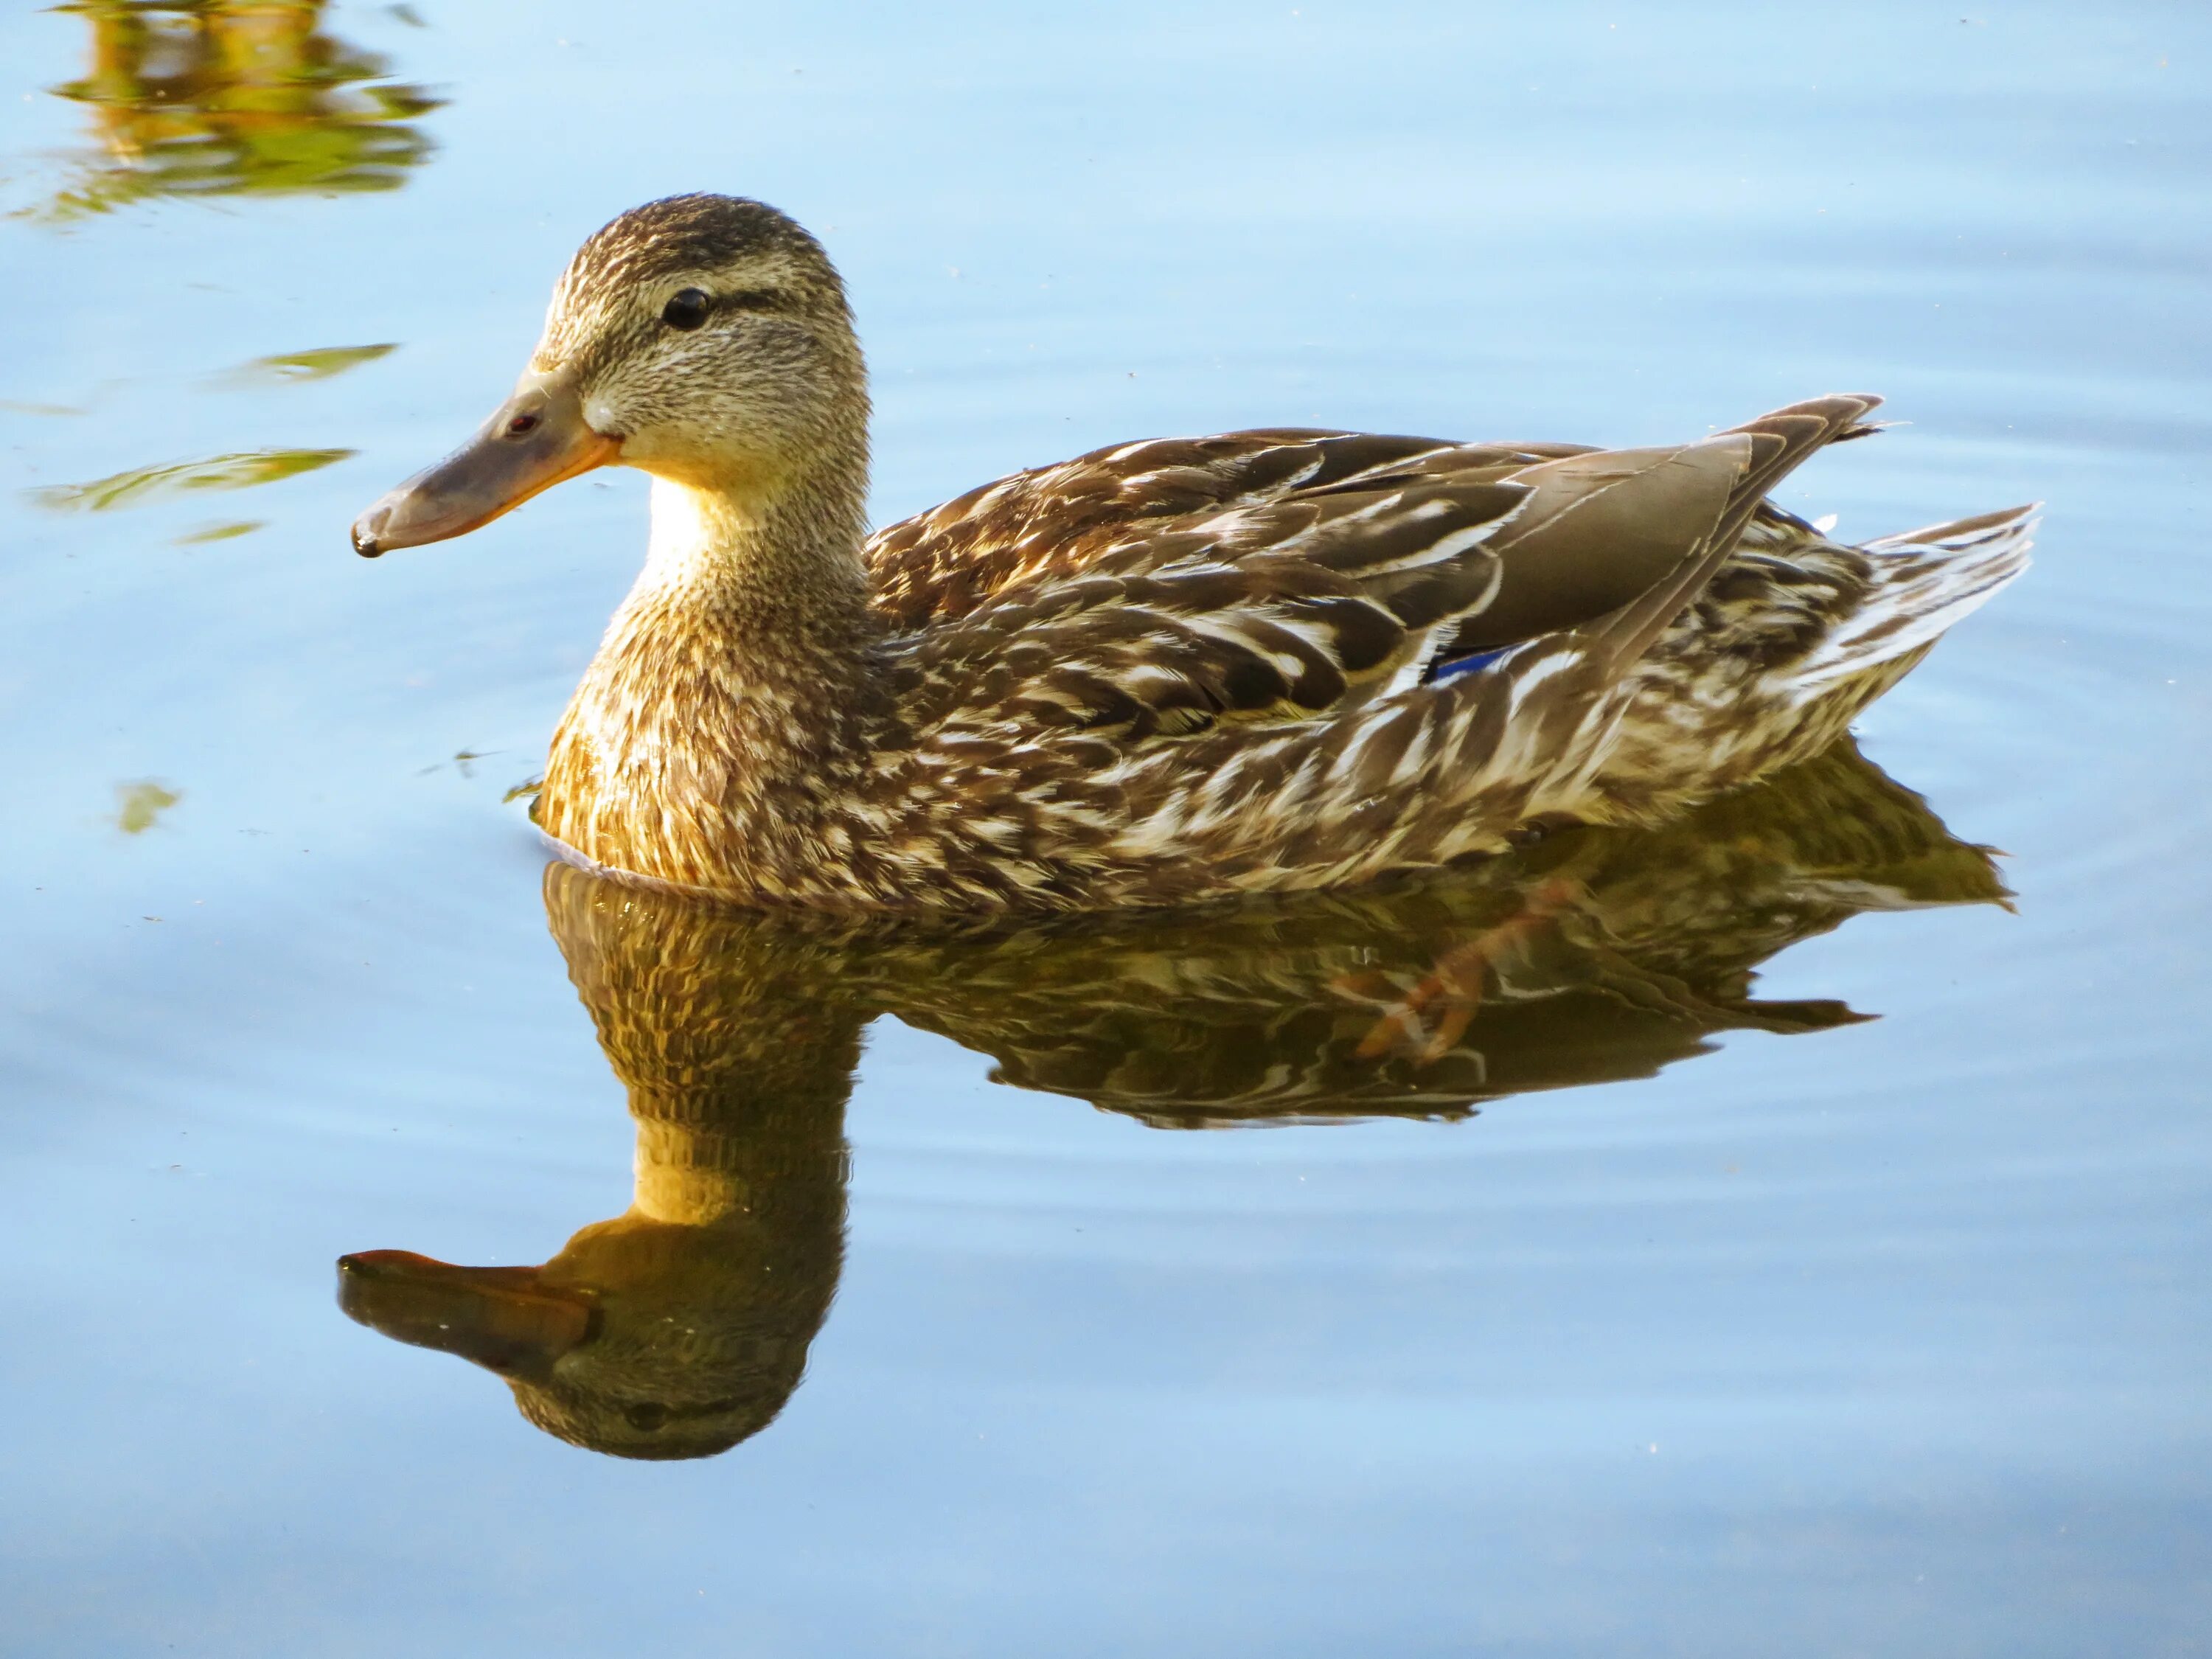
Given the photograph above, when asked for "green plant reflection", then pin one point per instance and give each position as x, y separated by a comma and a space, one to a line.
139, 806
141, 484
680, 1328
195, 98
290, 367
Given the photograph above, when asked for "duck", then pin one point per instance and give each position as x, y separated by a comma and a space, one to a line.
1165, 672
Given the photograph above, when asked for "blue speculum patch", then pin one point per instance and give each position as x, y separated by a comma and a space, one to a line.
1459, 666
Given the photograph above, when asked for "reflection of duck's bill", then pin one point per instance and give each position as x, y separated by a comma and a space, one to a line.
509, 1319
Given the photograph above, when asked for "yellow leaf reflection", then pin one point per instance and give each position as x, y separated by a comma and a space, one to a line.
318, 365
140, 805
142, 484
220, 532
218, 97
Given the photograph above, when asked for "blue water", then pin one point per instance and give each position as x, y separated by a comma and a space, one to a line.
1888, 1338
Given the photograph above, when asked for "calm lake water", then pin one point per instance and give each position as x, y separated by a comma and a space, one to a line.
1674, 1309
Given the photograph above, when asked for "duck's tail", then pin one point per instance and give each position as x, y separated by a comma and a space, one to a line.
1924, 580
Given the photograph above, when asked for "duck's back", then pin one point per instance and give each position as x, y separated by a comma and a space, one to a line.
1056, 520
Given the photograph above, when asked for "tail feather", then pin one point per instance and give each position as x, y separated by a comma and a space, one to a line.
1926, 581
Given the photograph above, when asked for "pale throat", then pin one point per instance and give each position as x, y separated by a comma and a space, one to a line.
791, 549
737, 666
700, 538
674, 1183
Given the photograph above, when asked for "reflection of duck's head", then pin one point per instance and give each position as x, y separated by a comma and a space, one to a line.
680, 1328
640, 1338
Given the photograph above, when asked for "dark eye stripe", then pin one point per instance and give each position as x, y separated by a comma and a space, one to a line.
754, 298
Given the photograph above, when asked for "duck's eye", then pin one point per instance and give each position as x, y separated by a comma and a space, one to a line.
686, 308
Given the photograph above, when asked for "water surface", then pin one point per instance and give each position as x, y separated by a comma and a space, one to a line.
1786, 1232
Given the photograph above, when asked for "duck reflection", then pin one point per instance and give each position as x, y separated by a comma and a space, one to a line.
217, 97
680, 1328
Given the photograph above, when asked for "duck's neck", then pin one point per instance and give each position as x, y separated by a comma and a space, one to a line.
782, 1163
738, 1063
730, 695
785, 561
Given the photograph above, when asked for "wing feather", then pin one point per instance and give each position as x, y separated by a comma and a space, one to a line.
1282, 612
1125, 610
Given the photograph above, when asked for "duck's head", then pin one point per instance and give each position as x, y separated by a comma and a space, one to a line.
705, 339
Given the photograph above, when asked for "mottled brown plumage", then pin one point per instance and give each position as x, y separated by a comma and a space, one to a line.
1166, 670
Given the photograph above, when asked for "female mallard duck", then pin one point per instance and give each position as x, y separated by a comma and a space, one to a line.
1164, 671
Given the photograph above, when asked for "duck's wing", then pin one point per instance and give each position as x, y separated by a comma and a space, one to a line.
1280, 612
1056, 521
1317, 601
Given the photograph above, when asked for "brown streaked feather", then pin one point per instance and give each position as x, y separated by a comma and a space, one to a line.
1055, 520
1285, 611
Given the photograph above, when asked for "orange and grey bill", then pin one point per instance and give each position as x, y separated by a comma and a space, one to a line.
535, 440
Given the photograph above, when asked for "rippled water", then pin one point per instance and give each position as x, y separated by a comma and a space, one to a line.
1670, 1307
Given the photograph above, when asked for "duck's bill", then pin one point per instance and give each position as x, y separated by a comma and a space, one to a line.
508, 1320
533, 441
